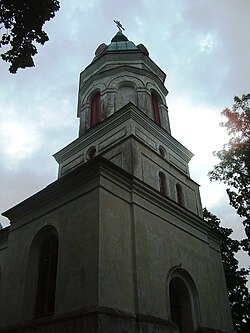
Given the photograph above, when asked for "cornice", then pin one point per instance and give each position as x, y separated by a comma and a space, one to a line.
53, 194
98, 63
4, 235
129, 111
47, 323
86, 82
141, 190
170, 206
74, 184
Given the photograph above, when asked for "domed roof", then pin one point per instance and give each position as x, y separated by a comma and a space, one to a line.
119, 43
119, 37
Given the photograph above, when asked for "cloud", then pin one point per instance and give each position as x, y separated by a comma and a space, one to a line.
197, 127
18, 142
19, 184
207, 42
229, 21
203, 46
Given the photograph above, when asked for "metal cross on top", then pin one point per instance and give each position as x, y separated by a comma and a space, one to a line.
119, 25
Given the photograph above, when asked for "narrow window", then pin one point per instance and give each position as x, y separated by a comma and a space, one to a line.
46, 287
182, 305
180, 196
155, 106
162, 183
175, 306
95, 113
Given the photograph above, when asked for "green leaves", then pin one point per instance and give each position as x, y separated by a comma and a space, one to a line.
234, 166
236, 278
23, 22
238, 119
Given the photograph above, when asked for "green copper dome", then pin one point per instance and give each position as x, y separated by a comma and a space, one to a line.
119, 43
119, 37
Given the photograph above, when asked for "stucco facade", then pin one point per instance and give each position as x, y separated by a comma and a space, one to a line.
128, 219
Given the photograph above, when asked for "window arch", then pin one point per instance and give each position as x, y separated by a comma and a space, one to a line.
95, 109
162, 183
180, 195
47, 272
155, 107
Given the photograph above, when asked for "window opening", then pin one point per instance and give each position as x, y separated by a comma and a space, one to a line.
155, 106
95, 113
162, 183
181, 309
175, 306
46, 288
180, 196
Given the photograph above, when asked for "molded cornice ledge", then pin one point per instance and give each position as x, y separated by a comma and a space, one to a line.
121, 57
88, 177
54, 194
74, 184
129, 111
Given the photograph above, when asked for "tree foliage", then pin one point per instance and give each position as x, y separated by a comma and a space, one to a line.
21, 23
234, 166
236, 278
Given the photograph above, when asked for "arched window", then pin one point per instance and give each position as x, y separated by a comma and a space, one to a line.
184, 303
162, 183
175, 306
155, 107
47, 271
180, 195
95, 109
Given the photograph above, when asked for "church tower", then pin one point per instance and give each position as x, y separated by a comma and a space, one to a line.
118, 242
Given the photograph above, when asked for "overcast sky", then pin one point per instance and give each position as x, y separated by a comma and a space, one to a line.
202, 46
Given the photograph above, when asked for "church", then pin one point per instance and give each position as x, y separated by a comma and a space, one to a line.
118, 243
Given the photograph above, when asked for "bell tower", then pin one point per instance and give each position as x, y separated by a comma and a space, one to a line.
121, 73
124, 118
129, 250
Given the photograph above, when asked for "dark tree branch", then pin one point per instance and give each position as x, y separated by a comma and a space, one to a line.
23, 21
